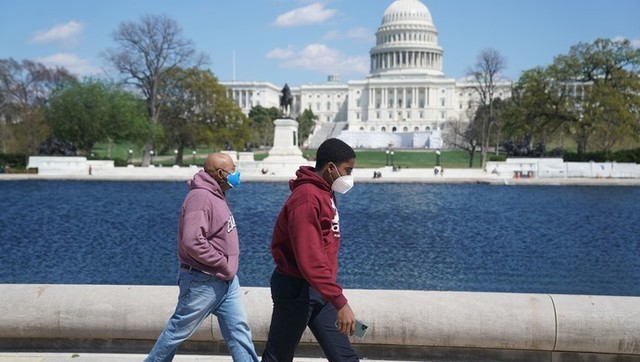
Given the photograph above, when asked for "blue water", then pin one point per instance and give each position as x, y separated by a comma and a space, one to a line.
541, 239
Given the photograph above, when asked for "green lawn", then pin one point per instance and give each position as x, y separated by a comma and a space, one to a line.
413, 159
364, 158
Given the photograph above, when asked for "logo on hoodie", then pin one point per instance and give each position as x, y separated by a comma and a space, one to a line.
336, 221
231, 224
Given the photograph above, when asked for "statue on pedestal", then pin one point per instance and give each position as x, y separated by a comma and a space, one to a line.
286, 99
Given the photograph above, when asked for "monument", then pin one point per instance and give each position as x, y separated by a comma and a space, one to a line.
286, 100
285, 157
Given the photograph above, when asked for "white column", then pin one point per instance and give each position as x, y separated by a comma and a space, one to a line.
404, 97
383, 100
395, 97
414, 98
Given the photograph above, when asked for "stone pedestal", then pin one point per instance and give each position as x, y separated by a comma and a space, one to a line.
285, 157
285, 143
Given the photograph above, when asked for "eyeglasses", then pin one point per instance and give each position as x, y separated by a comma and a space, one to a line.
222, 169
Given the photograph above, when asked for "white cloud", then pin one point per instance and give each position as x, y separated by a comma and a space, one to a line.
331, 35
72, 63
310, 14
319, 57
279, 53
360, 33
66, 34
634, 42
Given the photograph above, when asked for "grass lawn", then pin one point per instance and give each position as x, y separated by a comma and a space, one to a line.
364, 158
413, 159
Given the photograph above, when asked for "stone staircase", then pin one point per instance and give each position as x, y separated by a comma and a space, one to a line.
326, 131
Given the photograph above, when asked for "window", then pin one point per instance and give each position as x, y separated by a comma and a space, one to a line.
394, 129
362, 128
416, 129
405, 129
328, 106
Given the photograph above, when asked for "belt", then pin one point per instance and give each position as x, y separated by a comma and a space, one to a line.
187, 267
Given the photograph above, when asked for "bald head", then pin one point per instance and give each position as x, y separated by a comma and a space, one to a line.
216, 161
219, 166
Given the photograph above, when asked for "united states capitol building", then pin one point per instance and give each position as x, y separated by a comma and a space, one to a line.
405, 101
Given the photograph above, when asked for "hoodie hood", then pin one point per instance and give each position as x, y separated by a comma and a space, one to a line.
308, 175
203, 180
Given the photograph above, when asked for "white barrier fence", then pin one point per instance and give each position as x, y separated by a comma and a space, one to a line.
557, 168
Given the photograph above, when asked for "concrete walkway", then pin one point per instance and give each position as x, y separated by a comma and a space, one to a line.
114, 357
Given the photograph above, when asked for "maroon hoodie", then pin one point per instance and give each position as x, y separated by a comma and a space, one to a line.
306, 237
207, 234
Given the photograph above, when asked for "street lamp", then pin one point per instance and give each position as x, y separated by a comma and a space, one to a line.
392, 158
438, 157
194, 156
175, 154
151, 158
130, 156
387, 152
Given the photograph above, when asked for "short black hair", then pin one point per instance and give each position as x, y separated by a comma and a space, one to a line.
333, 150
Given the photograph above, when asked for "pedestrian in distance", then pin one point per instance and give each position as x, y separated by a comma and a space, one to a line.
304, 246
208, 251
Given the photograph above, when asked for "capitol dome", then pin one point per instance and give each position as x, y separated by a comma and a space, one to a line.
406, 10
406, 42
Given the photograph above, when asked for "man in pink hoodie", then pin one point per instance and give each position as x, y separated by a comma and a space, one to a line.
305, 245
208, 251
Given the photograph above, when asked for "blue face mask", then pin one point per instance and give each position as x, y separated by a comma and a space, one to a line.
233, 179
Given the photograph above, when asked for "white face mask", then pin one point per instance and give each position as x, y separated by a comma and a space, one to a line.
343, 183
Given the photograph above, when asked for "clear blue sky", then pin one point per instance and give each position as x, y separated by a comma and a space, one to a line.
302, 41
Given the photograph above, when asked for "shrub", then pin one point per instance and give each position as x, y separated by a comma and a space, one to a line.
13, 160
498, 158
628, 156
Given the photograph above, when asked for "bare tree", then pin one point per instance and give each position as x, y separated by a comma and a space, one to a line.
463, 135
25, 88
486, 75
146, 52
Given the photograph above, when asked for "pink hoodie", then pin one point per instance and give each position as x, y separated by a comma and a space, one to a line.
207, 234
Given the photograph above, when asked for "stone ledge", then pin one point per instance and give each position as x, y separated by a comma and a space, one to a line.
411, 324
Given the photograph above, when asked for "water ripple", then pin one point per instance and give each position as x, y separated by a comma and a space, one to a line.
546, 239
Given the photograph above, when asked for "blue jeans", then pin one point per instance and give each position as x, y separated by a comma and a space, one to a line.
201, 295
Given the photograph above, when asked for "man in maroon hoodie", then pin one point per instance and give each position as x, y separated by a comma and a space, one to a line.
305, 244
208, 250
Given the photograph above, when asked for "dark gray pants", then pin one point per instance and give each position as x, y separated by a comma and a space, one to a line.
295, 306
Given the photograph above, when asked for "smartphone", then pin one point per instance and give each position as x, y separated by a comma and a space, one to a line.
361, 329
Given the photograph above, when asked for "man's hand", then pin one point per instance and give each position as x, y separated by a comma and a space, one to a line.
346, 322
